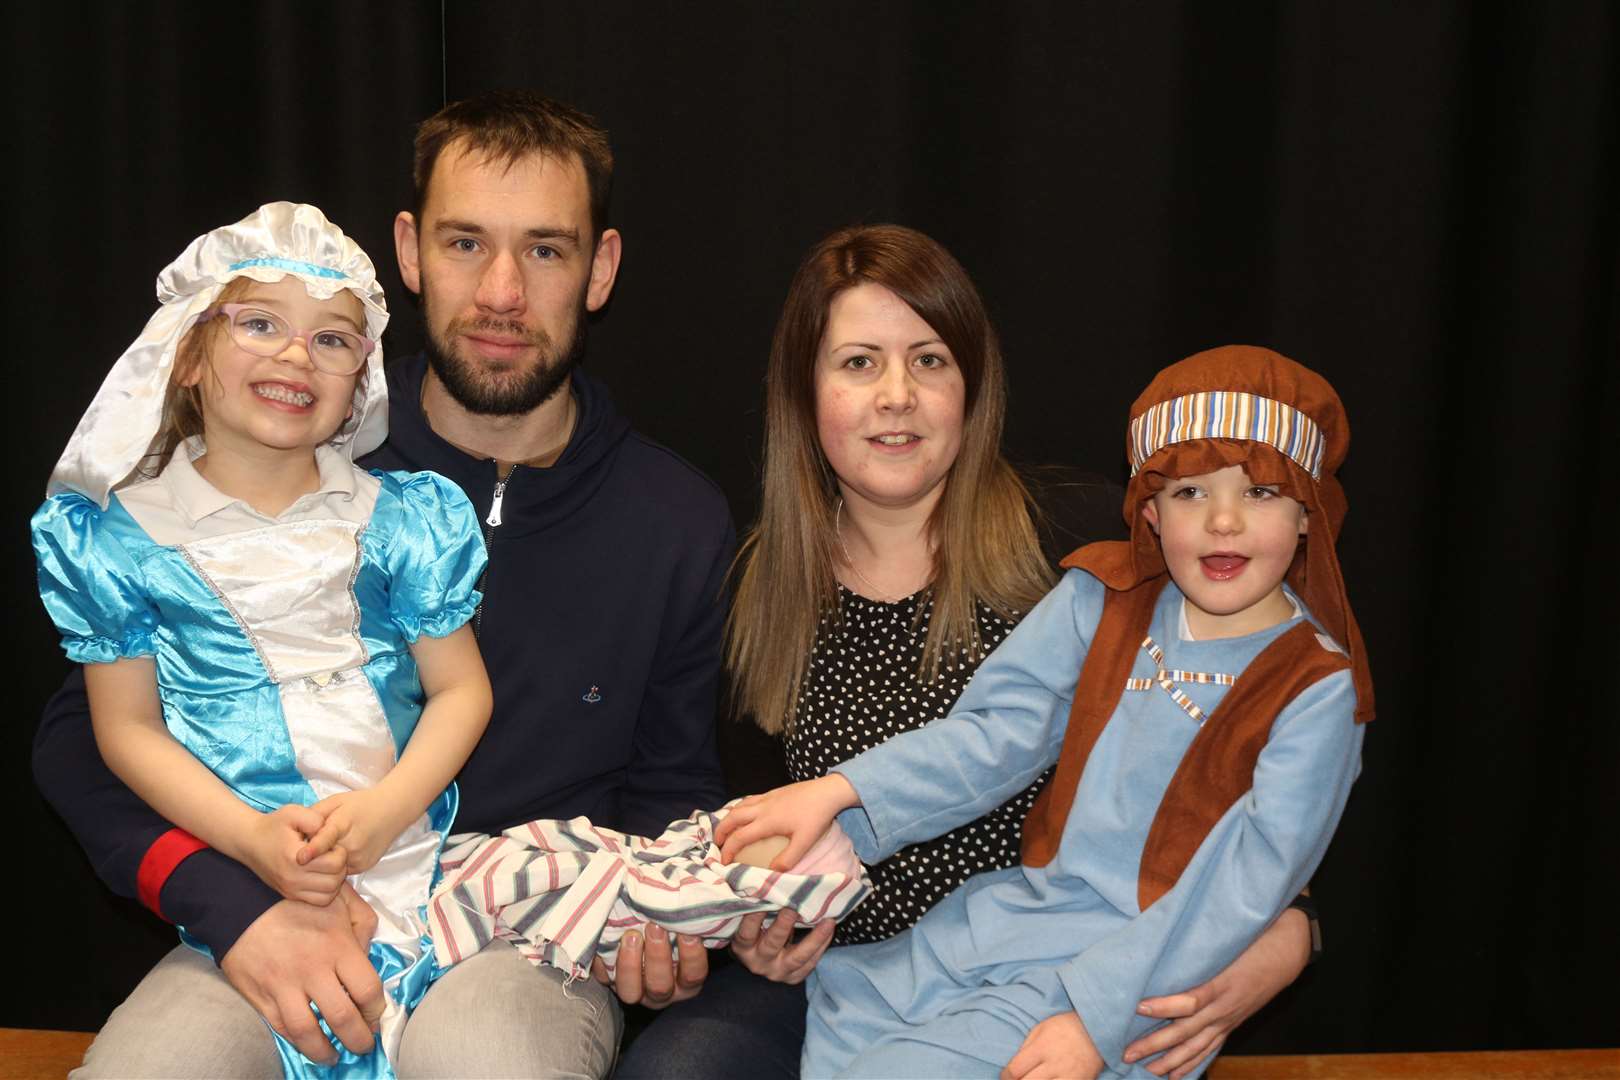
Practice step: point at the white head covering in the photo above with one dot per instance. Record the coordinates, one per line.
(117, 431)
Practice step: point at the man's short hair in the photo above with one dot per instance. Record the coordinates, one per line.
(508, 125)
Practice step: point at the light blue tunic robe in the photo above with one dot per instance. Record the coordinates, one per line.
(282, 655)
(958, 993)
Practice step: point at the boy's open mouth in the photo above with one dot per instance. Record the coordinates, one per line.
(1223, 567)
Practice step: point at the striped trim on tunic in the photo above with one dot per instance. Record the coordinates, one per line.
(1168, 678)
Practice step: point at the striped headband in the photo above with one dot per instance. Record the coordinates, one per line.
(1228, 414)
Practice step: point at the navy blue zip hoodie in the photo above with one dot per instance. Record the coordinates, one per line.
(600, 627)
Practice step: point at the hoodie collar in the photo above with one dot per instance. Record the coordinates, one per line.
(534, 499)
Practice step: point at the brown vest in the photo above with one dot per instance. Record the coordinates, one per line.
(1219, 765)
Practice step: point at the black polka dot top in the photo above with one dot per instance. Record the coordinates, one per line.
(862, 688)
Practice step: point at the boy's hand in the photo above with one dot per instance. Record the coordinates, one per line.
(801, 812)
(271, 849)
(357, 822)
(1057, 1047)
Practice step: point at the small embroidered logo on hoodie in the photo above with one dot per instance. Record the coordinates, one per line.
(594, 696)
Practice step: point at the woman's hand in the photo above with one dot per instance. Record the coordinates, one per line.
(770, 951)
(1057, 1048)
(801, 812)
(1204, 1016)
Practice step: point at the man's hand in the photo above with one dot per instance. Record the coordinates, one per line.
(650, 976)
(271, 848)
(1204, 1016)
(801, 812)
(362, 920)
(1057, 1048)
(767, 951)
(361, 823)
(297, 953)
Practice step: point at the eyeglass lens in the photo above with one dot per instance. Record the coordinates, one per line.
(267, 334)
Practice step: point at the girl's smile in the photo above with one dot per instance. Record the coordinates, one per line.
(294, 397)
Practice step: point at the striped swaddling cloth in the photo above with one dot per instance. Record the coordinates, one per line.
(564, 891)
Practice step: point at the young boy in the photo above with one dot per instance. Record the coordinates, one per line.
(1204, 756)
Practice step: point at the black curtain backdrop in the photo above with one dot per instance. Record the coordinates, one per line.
(1418, 201)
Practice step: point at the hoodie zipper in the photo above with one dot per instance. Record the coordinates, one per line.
(491, 523)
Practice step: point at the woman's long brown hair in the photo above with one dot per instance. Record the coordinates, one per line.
(985, 545)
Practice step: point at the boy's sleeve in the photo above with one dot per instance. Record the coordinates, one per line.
(435, 558)
(1006, 728)
(92, 588)
(1254, 861)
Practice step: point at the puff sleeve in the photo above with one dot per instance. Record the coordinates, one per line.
(92, 587)
(435, 559)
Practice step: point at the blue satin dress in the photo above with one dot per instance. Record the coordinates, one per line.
(283, 663)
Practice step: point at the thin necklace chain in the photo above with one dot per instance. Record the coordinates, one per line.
(838, 531)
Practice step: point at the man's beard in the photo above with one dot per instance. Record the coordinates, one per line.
(515, 391)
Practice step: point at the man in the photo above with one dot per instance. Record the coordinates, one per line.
(600, 628)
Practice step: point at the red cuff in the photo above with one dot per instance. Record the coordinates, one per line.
(167, 852)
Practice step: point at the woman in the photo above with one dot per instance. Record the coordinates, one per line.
(895, 548)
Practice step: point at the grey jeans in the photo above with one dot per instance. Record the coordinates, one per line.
(492, 1015)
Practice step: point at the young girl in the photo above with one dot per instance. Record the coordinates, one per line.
(1203, 757)
(260, 620)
